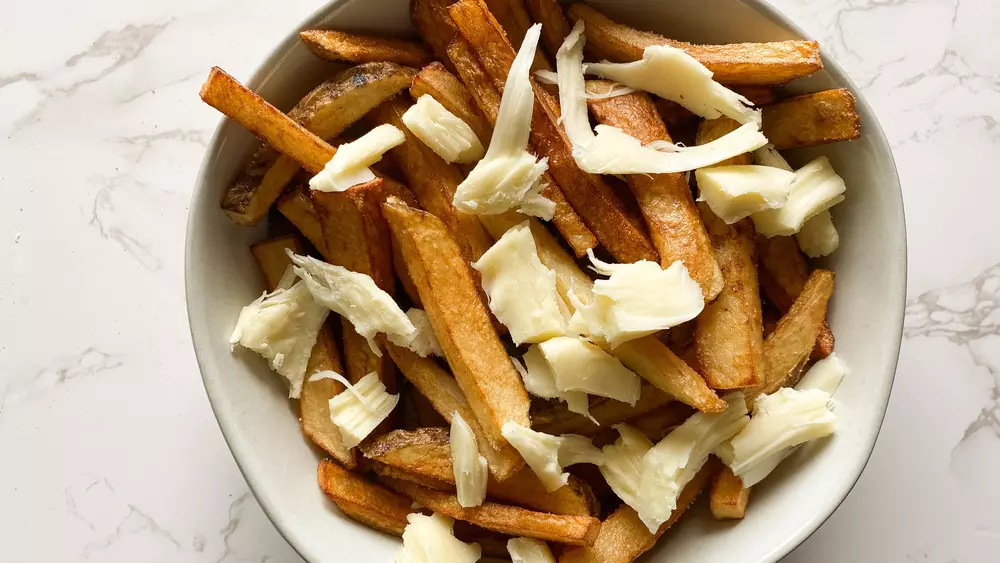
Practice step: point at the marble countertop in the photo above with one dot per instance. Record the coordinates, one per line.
(108, 448)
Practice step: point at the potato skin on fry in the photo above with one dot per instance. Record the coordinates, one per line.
(363, 501)
(459, 319)
(736, 63)
(813, 119)
(339, 46)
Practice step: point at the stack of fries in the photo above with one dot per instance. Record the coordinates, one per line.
(764, 316)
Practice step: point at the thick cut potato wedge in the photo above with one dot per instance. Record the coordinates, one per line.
(728, 336)
(554, 418)
(314, 402)
(433, 181)
(737, 63)
(363, 501)
(555, 27)
(657, 364)
(787, 349)
(441, 389)
(664, 199)
(513, 520)
(812, 119)
(430, 17)
(339, 46)
(448, 90)
(623, 536)
(728, 498)
(460, 320)
(327, 111)
(592, 198)
(515, 22)
(424, 457)
(296, 206)
(783, 274)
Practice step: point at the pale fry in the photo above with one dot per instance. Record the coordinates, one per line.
(452, 94)
(327, 111)
(441, 389)
(787, 349)
(592, 198)
(735, 63)
(434, 181)
(460, 320)
(423, 456)
(623, 536)
(728, 336)
(783, 273)
(513, 520)
(664, 199)
(728, 498)
(314, 402)
(339, 46)
(363, 501)
(555, 28)
(657, 364)
(242, 105)
(812, 119)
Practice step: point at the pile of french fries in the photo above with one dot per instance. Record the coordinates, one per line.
(763, 323)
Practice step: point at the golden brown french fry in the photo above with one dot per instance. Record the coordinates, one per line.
(712, 129)
(513, 520)
(327, 111)
(664, 199)
(314, 402)
(728, 336)
(657, 423)
(242, 105)
(441, 389)
(783, 274)
(787, 349)
(514, 20)
(436, 81)
(737, 63)
(363, 501)
(812, 119)
(592, 198)
(460, 320)
(296, 206)
(339, 46)
(424, 457)
(492, 544)
(430, 17)
(657, 364)
(728, 497)
(555, 418)
(434, 181)
(623, 536)
(555, 28)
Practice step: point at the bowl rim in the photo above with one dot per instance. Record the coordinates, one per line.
(873, 128)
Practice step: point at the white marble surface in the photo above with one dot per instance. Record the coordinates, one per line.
(108, 448)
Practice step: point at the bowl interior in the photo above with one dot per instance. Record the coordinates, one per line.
(261, 425)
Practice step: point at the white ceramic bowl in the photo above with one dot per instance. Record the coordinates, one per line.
(866, 313)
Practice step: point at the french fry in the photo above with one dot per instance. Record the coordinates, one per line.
(783, 274)
(657, 364)
(657, 423)
(623, 536)
(712, 129)
(430, 17)
(460, 320)
(555, 28)
(592, 199)
(812, 119)
(513, 520)
(676, 116)
(555, 418)
(296, 206)
(448, 90)
(515, 23)
(242, 105)
(787, 349)
(441, 389)
(492, 544)
(327, 111)
(664, 199)
(728, 336)
(363, 501)
(434, 181)
(424, 457)
(339, 46)
(738, 63)
(314, 402)
(728, 498)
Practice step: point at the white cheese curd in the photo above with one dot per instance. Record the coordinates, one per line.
(469, 467)
(734, 192)
(349, 166)
(444, 132)
(816, 188)
(431, 539)
(578, 365)
(357, 410)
